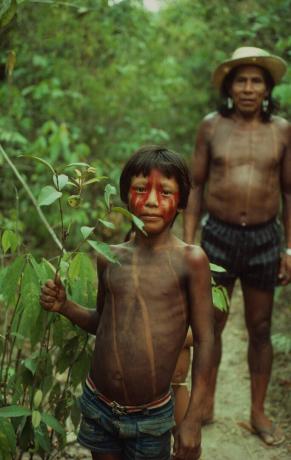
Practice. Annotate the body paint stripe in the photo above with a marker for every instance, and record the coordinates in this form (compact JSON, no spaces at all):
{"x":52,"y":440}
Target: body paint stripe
{"x":148,"y":336}
{"x":114,"y":331}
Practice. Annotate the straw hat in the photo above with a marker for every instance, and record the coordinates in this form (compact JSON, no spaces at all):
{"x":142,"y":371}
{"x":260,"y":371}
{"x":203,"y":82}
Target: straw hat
{"x":248,"y":55}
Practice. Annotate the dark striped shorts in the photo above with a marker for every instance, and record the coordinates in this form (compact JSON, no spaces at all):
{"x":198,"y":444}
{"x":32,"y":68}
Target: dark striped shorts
{"x":250,"y":253}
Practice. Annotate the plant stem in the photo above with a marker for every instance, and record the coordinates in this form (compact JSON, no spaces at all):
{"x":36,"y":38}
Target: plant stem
{"x":31,"y":196}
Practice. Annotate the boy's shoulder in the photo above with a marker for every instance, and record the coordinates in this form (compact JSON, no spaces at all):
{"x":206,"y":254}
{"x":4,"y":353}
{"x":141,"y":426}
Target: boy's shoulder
{"x":196,"y":256}
{"x":192,"y":252}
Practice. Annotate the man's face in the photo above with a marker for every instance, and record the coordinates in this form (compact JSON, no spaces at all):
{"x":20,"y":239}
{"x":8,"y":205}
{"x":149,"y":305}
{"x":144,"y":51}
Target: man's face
{"x":154,"y":199}
{"x":248,"y":90}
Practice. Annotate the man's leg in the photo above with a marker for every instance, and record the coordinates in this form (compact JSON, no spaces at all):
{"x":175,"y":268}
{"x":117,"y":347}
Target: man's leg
{"x":220,"y":319}
{"x":258,"y":315}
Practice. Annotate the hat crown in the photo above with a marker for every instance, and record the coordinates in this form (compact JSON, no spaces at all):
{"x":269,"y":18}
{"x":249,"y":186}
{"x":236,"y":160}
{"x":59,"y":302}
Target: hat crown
{"x":249,"y":51}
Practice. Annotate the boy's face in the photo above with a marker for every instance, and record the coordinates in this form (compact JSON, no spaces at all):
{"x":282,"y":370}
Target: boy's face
{"x":154,"y":199}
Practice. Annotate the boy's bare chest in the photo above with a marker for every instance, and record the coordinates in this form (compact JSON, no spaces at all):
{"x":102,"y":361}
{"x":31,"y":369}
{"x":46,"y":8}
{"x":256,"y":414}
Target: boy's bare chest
{"x":156,"y":277}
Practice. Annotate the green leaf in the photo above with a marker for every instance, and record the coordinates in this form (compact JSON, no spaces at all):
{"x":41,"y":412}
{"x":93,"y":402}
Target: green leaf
{"x":80,"y":368}
{"x":104,"y":249}
{"x":29,"y":319}
{"x":82,"y":280}
{"x":44,"y":270}
{"x":42,"y":437}
{"x":7,"y":437}
{"x":216,"y":268}
{"x":48,"y":195}
{"x":95,"y":179}
{"x":108,"y":192}
{"x":85,"y":165}
{"x":137,"y":222}
{"x":40,"y":160}
{"x":107,"y":224}
{"x":8,"y":10}
{"x":220,"y":298}
{"x":52,"y":422}
{"x":36,"y":418}
{"x":122,"y":211}
{"x":14,"y":411}
{"x":37,"y":398}
{"x":86,"y":231}
{"x":31,"y":365}
{"x":9,"y":241}
{"x":10,"y":282}
{"x":60,"y":181}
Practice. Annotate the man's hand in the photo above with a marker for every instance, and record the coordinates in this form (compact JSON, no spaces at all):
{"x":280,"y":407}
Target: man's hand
{"x":187,"y":443}
{"x":285,"y":270}
{"x":53,"y":295}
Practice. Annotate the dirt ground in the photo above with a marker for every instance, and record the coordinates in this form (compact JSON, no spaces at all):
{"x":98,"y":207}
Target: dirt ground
{"x":225,"y":439}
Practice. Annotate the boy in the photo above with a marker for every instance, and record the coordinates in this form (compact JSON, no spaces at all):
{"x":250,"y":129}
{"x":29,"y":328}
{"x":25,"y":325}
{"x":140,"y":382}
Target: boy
{"x":144,"y":308}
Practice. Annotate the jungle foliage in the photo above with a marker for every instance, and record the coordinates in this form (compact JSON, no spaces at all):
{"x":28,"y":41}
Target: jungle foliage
{"x":82,"y":85}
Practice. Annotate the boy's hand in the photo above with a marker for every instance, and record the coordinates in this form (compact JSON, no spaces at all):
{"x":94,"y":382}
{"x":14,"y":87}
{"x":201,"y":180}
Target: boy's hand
{"x":187,"y":444}
{"x":53,"y":295}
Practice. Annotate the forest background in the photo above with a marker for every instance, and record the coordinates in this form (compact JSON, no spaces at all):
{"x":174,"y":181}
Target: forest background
{"x":88,"y":82}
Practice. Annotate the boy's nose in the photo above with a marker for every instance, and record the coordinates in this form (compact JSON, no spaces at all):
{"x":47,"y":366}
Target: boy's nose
{"x":152,"y":198}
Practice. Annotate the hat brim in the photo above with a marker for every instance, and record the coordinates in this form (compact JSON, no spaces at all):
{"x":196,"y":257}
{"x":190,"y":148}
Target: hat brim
{"x":273,"y":64}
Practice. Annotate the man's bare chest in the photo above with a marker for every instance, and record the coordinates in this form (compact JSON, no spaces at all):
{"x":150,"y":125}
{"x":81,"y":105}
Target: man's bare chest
{"x":260,"y":148}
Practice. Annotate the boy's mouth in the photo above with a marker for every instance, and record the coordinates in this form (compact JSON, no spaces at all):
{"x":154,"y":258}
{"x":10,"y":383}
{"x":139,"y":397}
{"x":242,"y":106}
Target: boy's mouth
{"x":150,"y":217}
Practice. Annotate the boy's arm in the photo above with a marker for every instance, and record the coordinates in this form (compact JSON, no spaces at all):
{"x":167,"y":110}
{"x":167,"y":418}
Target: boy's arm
{"x":199,"y":172}
{"x":188,"y":435}
{"x":54,"y":298}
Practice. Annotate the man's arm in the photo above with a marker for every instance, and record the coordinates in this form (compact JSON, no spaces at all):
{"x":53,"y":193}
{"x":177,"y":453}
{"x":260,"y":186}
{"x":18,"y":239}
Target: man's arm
{"x":285,"y":269}
{"x":200,"y":166}
{"x":54,"y":298}
{"x":188,"y":435}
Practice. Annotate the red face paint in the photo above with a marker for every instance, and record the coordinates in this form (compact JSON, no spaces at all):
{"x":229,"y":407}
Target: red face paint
{"x":154,"y":198}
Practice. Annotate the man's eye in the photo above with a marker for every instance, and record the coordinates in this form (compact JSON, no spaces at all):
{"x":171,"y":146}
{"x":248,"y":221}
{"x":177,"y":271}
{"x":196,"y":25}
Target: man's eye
{"x":167,"y":192}
{"x":140,"y":189}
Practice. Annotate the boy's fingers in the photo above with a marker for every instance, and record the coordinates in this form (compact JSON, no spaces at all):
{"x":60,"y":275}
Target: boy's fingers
{"x":47,"y":298}
{"x":50,"y":284}
{"x":48,"y":291}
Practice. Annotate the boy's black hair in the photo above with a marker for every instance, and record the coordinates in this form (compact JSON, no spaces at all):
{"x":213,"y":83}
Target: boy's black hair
{"x":273,"y":105}
{"x":150,"y":157}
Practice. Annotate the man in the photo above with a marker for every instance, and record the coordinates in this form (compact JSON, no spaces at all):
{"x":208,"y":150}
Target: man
{"x":243,"y":156}
{"x":144,"y":307}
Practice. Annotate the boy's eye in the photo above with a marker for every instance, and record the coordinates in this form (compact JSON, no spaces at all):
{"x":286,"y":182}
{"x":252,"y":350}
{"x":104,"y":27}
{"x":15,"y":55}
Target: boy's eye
{"x":140,"y":189}
{"x":167,"y":192}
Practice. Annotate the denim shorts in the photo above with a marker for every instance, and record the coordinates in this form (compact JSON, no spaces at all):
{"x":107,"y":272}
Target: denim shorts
{"x":135,"y":436}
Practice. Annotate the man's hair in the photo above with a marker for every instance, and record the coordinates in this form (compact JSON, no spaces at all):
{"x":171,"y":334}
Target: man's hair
{"x":225,"y":111}
{"x":169,"y":163}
